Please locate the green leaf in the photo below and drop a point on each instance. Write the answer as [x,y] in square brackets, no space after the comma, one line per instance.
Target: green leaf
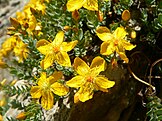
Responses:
[158,112]
[160,18]
[160,117]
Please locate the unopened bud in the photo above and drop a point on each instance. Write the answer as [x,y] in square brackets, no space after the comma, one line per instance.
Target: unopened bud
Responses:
[133,34]
[21,116]
[2,102]
[114,63]
[1,118]
[100,16]
[126,15]
[66,28]
[13,82]
[10,28]
[10,33]
[3,82]
[14,22]
[75,15]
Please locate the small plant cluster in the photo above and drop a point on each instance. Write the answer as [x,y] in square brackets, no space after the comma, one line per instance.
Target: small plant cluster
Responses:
[58,47]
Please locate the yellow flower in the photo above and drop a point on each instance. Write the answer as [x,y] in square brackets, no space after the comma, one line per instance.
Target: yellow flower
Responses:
[21,50]
[57,50]
[114,42]
[37,5]
[73,5]
[46,87]
[8,45]
[88,78]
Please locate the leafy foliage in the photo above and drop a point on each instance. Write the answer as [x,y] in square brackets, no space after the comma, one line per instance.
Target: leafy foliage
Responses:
[39,24]
[154,108]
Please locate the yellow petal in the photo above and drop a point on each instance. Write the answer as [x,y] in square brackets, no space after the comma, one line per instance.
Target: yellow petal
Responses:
[103,82]
[59,89]
[55,77]
[128,45]
[107,48]
[76,81]
[42,42]
[120,33]
[104,33]
[80,66]
[63,59]
[91,5]
[98,63]
[43,79]
[68,46]
[76,97]
[123,56]
[48,60]
[45,49]
[74,4]
[47,100]
[86,92]
[58,39]
[35,92]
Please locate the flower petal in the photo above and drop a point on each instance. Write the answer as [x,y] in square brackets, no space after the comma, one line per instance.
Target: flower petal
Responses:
[120,33]
[127,45]
[104,33]
[68,46]
[59,89]
[42,80]
[63,59]
[99,63]
[76,82]
[42,42]
[44,49]
[48,61]
[123,56]
[35,92]
[47,100]
[86,92]
[91,5]
[74,4]
[103,82]
[80,66]
[55,77]
[107,48]
[58,39]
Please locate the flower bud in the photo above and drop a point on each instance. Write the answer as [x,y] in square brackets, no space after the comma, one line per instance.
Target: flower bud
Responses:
[75,15]
[100,16]
[13,82]
[3,82]
[14,22]
[126,15]
[1,118]
[2,102]
[66,28]
[21,116]
[133,34]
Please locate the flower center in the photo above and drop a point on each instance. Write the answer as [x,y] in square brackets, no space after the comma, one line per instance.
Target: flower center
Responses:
[56,49]
[116,42]
[90,79]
